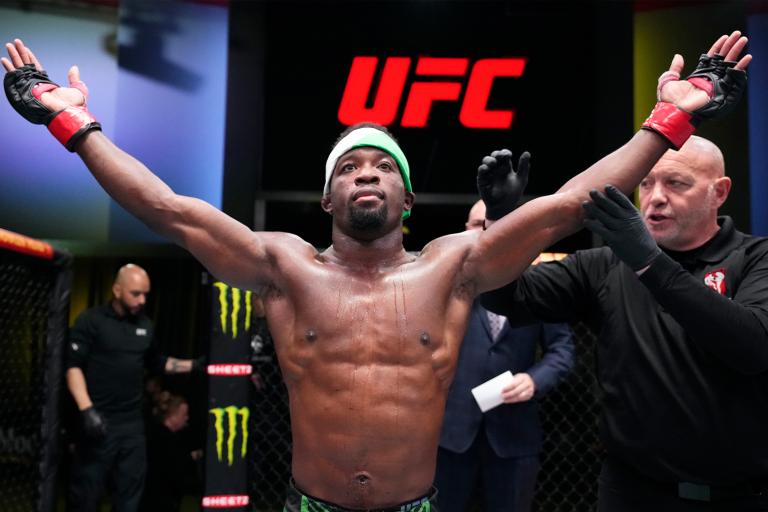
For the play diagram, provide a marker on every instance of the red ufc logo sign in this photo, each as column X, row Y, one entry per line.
column 422, row 94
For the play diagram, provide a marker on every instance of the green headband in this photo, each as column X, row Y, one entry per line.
column 368, row 137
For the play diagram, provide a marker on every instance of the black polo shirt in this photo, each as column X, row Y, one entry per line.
column 682, row 353
column 113, row 352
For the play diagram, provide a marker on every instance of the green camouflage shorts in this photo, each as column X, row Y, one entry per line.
column 299, row 502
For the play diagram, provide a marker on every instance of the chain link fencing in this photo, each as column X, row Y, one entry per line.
column 23, row 326
column 270, row 453
column 571, row 456
column 33, row 300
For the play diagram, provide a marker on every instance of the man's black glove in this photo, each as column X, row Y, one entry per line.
column 25, row 86
column 94, row 424
column 199, row 364
column 727, row 85
column 723, row 83
column 500, row 187
column 613, row 216
column 19, row 84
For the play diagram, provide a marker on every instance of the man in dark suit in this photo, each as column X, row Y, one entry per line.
column 501, row 445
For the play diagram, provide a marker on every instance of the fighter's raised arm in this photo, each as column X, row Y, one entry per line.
column 506, row 248
column 228, row 249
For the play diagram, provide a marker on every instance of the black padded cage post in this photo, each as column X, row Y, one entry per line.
column 229, row 370
column 35, row 283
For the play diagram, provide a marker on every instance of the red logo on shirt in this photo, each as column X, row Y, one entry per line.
column 716, row 280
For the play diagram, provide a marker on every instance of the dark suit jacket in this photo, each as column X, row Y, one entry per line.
column 513, row 430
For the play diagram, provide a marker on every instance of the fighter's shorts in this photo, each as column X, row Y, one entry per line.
column 300, row 502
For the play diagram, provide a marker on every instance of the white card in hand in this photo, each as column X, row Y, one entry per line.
column 488, row 394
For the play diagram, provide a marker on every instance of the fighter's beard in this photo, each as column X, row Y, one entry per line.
column 366, row 219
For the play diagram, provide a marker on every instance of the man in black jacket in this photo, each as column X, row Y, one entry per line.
column 679, row 301
column 499, row 447
column 110, row 346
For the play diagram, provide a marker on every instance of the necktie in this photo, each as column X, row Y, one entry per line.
column 496, row 322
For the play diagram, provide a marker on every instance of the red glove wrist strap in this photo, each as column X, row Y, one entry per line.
column 671, row 123
column 69, row 124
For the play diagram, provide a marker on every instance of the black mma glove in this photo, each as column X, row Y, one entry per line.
column 499, row 186
column 715, row 76
column 613, row 216
column 25, row 85
column 94, row 424
column 724, row 85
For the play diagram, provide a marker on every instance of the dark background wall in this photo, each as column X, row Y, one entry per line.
column 293, row 69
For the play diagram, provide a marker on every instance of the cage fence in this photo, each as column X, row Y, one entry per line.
column 34, row 297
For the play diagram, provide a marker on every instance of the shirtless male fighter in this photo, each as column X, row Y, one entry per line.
column 367, row 335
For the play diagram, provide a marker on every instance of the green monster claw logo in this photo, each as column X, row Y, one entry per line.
column 224, row 308
column 231, row 413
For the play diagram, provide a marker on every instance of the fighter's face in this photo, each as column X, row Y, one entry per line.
column 132, row 293
column 679, row 203
column 367, row 190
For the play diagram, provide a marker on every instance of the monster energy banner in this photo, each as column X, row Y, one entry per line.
column 226, row 485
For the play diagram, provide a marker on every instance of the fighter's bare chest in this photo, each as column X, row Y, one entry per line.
column 388, row 296
column 381, row 303
column 397, row 318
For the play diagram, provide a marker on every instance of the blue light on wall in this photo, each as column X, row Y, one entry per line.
column 171, row 100
column 157, row 77
column 758, row 122
column 46, row 191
